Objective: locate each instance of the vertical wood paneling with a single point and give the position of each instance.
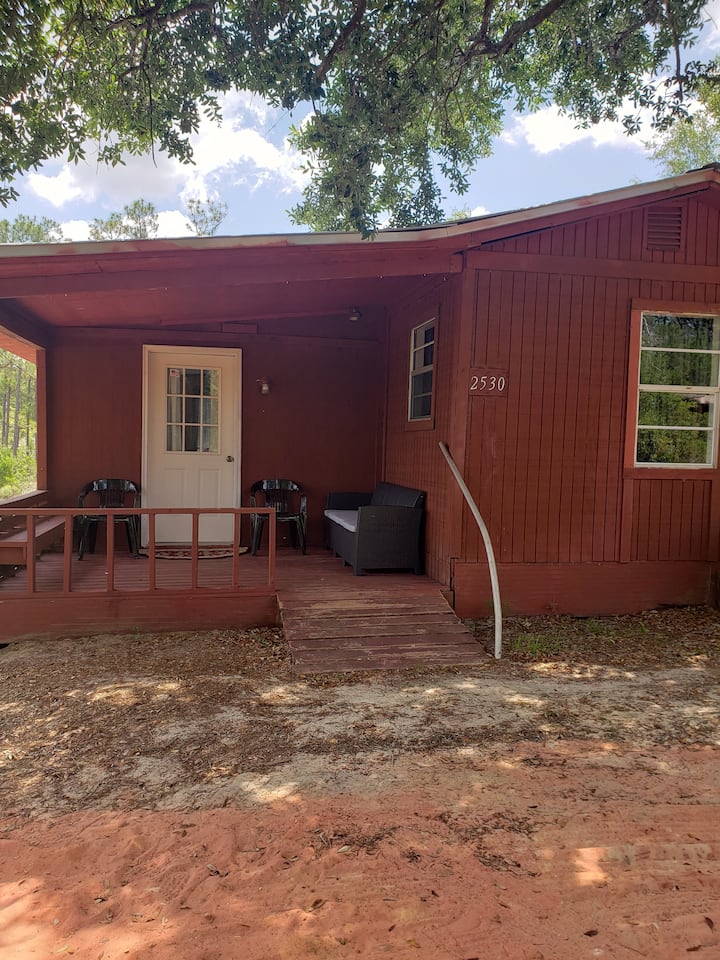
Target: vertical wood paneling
(548, 506)
(548, 462)
(536, 517)
(412, 456)
(318, 426)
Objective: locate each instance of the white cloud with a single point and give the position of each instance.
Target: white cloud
(479, 211)
(549, 130)
(173, 223)
(248, 156)
(75, 229)
(242, 150)
(108, 187)
(710, 35)
(58, 190)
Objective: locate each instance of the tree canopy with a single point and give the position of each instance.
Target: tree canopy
(694, 142)
(205, 216)
(136, 221)
(404, 94)
(25, 229)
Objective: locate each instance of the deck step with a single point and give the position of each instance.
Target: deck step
(384, 622)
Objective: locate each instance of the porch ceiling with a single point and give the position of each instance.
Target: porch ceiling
(159, 283)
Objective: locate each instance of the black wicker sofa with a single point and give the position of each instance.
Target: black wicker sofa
(381, 530)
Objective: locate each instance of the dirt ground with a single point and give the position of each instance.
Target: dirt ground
(186, 797)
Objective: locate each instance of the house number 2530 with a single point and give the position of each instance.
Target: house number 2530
(487, 383)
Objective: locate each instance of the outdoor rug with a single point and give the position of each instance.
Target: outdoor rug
(185, 553)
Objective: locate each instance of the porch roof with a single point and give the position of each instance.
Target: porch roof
(225, 283)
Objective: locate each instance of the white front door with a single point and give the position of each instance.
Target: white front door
(191, 439)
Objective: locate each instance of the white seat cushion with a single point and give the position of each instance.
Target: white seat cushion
(344, 518)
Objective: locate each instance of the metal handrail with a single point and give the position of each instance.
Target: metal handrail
(488, 546)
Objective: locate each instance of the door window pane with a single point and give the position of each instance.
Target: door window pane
(193, 410)
(174, 380)
(210, 439)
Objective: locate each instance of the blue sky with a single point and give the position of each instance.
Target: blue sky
(248, 163)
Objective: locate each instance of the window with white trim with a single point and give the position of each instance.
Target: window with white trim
(422, 358)
(677, 417)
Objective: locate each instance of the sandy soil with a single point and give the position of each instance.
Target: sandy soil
(186, 797)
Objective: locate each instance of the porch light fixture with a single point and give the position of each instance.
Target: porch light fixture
(264, 385)
(355, 315)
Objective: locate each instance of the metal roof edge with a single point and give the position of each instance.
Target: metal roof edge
(449, 230)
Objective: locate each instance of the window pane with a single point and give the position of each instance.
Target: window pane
(210, 439)
(676, 410)
(423, 335)
(174, 380)
(674, 446)
(422, 383)
(192, 410)
(174, 410)
(210, 411)
(421, 396)
(421, 407)
(192, 439)
(210, 383)
(174, 438)
(679, 369)
(192, 382)
(422, 357)
(690, 333)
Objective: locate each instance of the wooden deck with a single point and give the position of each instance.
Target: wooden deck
(333, 620)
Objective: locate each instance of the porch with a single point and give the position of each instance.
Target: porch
(333, 620)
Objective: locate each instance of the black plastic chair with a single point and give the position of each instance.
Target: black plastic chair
(290, 505)
(108, 494)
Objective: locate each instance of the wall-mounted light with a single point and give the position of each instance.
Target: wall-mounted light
(354, 315)
(264, 385)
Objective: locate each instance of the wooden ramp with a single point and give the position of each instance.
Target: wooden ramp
(337, 622)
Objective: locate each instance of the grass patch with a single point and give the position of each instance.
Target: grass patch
(656, 637)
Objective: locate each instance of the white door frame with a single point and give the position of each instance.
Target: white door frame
(200, 352)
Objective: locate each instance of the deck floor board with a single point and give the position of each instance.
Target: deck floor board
(337, 622)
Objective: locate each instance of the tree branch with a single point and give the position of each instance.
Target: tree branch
(350, 27)
(481, 45)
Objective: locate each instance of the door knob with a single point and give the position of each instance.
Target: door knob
(230, 458)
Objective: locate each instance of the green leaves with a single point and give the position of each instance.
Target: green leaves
(137, 221)
(404, 95)
(30, 230)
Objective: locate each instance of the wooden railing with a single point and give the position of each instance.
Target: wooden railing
(14, 520)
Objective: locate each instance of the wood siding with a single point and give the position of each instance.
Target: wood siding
(412, 454)
(546, 460)
(320, 425)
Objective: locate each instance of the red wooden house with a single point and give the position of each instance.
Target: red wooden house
(574, 374)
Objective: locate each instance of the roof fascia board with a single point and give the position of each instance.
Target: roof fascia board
(556, 218)
(636, 193)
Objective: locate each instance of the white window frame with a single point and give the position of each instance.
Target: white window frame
(683, 390)
(418, 371)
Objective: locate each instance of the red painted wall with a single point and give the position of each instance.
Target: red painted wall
(319, 426)
(412, 453)
(546, 460)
